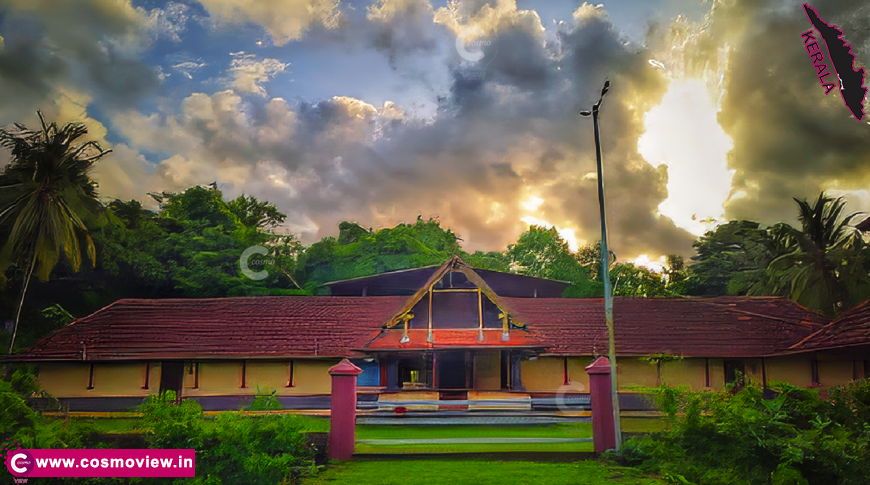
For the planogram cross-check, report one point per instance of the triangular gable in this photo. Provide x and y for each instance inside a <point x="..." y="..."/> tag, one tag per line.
<point x="453" y="264"/>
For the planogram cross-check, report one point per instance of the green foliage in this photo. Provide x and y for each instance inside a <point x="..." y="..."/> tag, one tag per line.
<point x="819" y="263"/>
<point x="232" y="448"/>
<point x="170" y="424"/>
<point x="262" y="450"/>
<point x="738" y="437"/>
<point x="358" y="252"/>
<point x="255" y="214"/>
<point x="541" y="252"/>
<point x="265" y="400"/>
<point x="730" y="259"/>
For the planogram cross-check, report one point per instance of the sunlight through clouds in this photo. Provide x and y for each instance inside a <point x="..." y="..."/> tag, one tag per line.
<point x="683" y="134"/>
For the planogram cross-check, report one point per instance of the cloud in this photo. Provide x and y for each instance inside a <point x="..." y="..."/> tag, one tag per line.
<point x="494" y="143"/>
<point x="168" y="22"/>
<point x="188" y="68"/>
<point x="790" y="140"/>
<point x="88" y="46"/>
<point x="284" y="20"/>
<point x="249" y="73"/>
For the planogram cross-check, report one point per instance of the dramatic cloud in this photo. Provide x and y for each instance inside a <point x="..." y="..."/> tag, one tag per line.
<point x="284" y="20"/>
<point x="496" y="143"/>
<point x="790" y="140"/>
<point x="87" y="45"/>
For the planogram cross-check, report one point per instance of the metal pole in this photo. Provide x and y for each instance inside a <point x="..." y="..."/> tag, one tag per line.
<point x="605" y="274"/>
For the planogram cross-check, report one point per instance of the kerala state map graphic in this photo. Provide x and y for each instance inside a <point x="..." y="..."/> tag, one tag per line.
<point x="851" y="80"/>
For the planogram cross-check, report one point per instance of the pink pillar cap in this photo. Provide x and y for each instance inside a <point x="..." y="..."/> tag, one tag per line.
<point x="345" y="368"/>
<point x="601" y="365"/>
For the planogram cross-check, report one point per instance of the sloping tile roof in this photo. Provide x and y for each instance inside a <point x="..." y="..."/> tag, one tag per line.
<point x="851" y="328"/>
<point x="318" y="326"/>
<point x="270" y="326"/>
<point x="700" y="327"/>
<point x="444" y="339"/>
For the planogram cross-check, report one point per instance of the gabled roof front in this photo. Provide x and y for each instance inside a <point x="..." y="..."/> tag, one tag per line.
<point x="214" y="328"/>
<point x="850" y="329"/>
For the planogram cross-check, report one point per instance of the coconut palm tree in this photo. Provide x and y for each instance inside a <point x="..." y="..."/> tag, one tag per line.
<point x="45" y="193"/>
<point x="813" y="265"/>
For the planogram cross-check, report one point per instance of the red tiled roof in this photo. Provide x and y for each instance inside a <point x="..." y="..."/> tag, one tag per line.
<point x="316" y="326"/>
<point x="269" y="326"/>
<point x="701" y="327"/>
<point x="443" y="339"/>
<point x="851" y="328"/>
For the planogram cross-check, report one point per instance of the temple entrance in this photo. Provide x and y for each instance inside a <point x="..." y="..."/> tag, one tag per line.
<point x="452" y="370"/>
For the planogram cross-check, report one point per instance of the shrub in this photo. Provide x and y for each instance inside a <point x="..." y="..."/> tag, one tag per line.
<point x="170" y="424"/>
<point x="254" y="450"/>
<point x="737" y="437"/>
<point x="233" y="448"/>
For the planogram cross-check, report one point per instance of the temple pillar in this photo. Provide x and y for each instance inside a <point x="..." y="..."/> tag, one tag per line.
<point x="392" y="374"/>
<point x="516" y="374"/>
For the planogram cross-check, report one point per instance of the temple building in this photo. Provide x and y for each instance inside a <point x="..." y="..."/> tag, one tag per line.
<point x="437" y="333"/>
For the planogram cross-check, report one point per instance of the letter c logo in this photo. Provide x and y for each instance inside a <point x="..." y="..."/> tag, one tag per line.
<point x="460" y="43"/>
<point x="21" y="463"/>
<point x="243" y="263"/>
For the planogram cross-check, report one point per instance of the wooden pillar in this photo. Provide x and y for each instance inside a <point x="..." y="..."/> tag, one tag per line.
<point x="392" y="374"/>
<point x="600" y="386"/>
<point x="516" y="374"/>
<point x="342" y="415"/>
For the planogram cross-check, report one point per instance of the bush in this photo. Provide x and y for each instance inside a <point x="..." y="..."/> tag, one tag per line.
<point x="737" y="437"/>
<point x="233" y="448"/>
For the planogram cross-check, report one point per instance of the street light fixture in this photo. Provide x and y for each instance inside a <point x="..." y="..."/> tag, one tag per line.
<point x="605" y="269"/>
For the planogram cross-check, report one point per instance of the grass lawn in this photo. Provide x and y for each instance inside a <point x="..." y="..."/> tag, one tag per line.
<point x="413" y="472"/>
<point x="565" y="430"/>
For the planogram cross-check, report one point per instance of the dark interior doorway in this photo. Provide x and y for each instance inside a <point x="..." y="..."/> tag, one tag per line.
<point x="171" y="377"/>
<point x="734" y="372"/>
<point x="451" y="370"/>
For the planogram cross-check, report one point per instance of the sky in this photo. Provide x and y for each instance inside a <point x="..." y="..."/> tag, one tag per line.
<point x="468" y="111"/>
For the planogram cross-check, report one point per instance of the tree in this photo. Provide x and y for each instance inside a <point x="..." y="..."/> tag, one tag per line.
<point x="255" y="214"/>
<point x="819" y="260"/>
<point x="632" y="280"/>
<point x="731" y="258"/>
<point x="46" y="195"/>
<point x="541" y="252"/>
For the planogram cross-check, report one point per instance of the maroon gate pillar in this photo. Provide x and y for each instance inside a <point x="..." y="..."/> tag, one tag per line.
<point x="603" y="431"/>
<point x="342" y="416"/>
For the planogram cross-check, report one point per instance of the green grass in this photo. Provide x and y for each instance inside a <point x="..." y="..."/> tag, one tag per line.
<point x="413" y="472"/>
<point x="642" y="425"/>
<point x="470" y="448"/>
<point x="566" y="430"/>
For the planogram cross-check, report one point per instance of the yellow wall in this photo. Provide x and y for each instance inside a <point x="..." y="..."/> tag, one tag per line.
<point x="578" y="379"/>
<point x="689" y="372"/>
<point x="311" y="377"/>
<point x="487" y="370"/>
<point x="543" y="374"/>
<point x="224" y="378"/>
<point x="835" y="372"/>
<point x="114" y="379"/>
<point x="631" y="372"/>
<point x="268" y="376"/>
<point x="795" y="370"/>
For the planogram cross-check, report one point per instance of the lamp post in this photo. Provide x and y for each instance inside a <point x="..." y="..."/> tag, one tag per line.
<point x="605" y="268"/>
